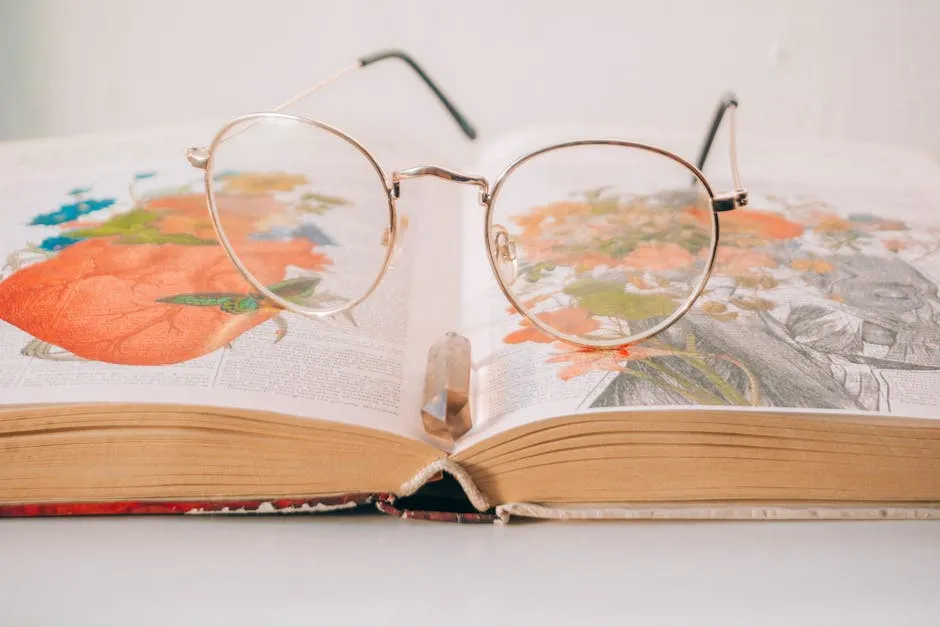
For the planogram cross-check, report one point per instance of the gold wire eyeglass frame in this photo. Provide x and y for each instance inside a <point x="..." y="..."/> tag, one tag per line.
<point x="498" y="246"/>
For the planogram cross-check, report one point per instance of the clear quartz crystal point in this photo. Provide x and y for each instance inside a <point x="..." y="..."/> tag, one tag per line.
<point x="446" y="409"/>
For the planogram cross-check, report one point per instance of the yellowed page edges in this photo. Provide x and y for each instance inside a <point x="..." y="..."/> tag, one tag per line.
<point x="723" y="511"/>
<point x="446" y="465"/>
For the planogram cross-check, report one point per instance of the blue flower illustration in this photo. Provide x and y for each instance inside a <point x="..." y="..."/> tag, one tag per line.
<point x="69" y="212"/>
<point x="54" y="244"/>
<point x="307" y="231"/>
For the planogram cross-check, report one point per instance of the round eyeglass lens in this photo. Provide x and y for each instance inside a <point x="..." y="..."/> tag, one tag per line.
<point x="602" y="244"/>
<point x="302" y="210"/>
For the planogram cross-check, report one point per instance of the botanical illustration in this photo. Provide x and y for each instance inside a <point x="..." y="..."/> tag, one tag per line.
<point x="146" y="281"/>
<point x="808" y="306"/>
<point x="603" y="265"/>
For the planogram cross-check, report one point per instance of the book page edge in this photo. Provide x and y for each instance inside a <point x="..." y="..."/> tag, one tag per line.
<point x="721" y="511"/>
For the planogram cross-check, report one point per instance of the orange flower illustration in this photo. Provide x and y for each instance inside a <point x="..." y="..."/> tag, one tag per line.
<point x="831" y="223"/>
<point x="817" y="266"/>
<point x="890" y="225"/>
<point x="568" y="320"/>
<point x="240" y="215"/>
<point x="256" y="183"/>
<point x="894" y="245"/>
<point x="741" y="262"/>
<point x="533" y="221"/>
<point x="98" y="299"/>
<point x="764" y="224"/>
<point x="658" y="257"/>
<point x="530" y="303"/>
<point x="583" y="361"/>
<point x="587" y="260"/>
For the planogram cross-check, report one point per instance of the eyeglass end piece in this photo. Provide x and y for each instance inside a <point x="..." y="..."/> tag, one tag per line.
<point x="729" y="201"/>
<point x="198" y="157"/>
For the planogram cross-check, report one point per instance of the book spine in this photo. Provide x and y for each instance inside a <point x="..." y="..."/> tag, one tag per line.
<point x="388" y="506"/>
<point x="232" y="507"/>
<point x="384" y="503"/>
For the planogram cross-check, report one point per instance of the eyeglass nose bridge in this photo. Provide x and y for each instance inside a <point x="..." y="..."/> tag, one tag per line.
<point x="441" y="173"/>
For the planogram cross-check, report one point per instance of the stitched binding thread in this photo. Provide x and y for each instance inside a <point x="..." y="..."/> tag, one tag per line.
<point x="477" y="499"/>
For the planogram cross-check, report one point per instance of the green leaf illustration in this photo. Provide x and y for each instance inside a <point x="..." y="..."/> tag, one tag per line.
<point x="619" y="247"/>
<point x="300" y="287"/>
<point x="227" y="302"/>
<point x="245" y="304"/>
<point x="207" y="299"/>
<point x="155" y="237"/>
<point x="134" y="220"/>
<point x="332" y="201"/>
<point x="753" y="304"/>
<point x="536" y="271"/>
<point x="231" y="303"/>
<point x="616" y="303"/>
<point x="318" y="209"/>
<point x="584" y="287"/>
<point x="693" y="240"/>
<point x="605" y="206"/>
<point x="137" y="226"/>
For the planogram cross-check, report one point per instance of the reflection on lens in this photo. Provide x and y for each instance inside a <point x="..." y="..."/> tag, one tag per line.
<point x="303" y="210"/>
<point x="605" y="242"/>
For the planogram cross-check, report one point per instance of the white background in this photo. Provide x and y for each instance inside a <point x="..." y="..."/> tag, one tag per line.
<point x="850" y="69"/>
<point x="844" y="70"/>
<point x="381" y="571"/>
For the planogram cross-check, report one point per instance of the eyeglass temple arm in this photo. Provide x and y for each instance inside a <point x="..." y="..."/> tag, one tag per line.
<point x="727" y="106"/>
<point x="381" y="55"/>
<point x="455" y="113"/>
<point x="199" y="157"/>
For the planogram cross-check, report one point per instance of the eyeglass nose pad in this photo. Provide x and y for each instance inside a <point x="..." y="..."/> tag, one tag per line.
<point x="400" y="235"/>
<point x="399" y="239"/>
<point x="504" y="251"/>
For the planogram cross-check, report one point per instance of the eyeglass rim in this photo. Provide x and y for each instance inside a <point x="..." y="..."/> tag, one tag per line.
<point x="229" y="249"/>
<point x="577" y="340"/>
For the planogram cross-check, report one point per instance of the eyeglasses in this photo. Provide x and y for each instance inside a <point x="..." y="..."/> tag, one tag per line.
<point x="599" y="243"/>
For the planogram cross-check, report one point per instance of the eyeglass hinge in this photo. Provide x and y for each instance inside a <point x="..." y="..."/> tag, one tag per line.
<point x="729" y="201"/>
<point x="198" y="157"/>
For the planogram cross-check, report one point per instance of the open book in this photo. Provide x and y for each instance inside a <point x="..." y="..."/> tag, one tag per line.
<point x="804" y="383"/>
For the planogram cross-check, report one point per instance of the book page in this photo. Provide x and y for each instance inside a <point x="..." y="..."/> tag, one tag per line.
<point x="823" y="295"/>
<point x="114" y="288"/>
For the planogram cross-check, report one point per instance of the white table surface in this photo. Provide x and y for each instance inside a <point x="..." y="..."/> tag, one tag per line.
<point x="373" y="570"/>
